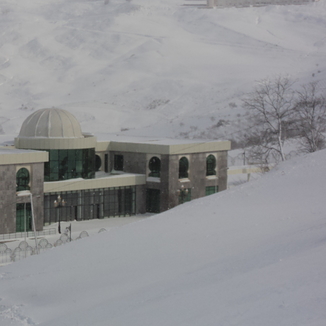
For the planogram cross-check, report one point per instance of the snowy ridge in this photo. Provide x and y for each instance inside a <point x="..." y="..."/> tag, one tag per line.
<point x="250" y="256"/>
<point x="150" y="67"/>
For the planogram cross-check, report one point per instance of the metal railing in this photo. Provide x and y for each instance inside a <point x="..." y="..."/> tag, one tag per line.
<point x="29" y="234"/>
<point x="24" y="250"/>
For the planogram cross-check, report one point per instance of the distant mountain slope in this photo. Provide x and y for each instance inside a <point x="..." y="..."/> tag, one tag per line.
<point x="251" y="256"/>
<point x="150" y="67"/>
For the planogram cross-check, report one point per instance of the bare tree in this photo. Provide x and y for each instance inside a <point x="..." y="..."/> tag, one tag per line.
<point x="270" y="112"/>
<point x="310" y="113"/>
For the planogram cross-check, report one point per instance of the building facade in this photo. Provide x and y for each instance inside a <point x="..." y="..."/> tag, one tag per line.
<point x="96" y="179"/>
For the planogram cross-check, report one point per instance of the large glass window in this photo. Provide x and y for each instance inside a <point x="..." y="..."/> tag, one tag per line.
<point x="22" y="179"/>
<point x="155" y="167"/>
<point x="183" y="167"/>
<point x="90" y="204"/>
<point x="210" y="165"/>
<point x="69" y="164"/>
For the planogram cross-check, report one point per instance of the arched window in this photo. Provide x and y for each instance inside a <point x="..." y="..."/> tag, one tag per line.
<point x="22" y="179"/>
<point x="210" y="165"/>
<point x="155" y="167"/>
<point x="183" y="167"/>
<point x="98" y="163"/>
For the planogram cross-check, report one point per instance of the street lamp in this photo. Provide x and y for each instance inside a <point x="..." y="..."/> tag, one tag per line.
<point x="182" y="193"/>
<point x="59" y="202"/>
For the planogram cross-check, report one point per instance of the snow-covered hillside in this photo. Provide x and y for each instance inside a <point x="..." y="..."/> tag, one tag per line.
<point x="251" y="256"/>
<point x="150" y="67"/>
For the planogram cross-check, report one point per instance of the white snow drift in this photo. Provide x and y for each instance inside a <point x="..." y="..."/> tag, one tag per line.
<point x="251" y="256"/>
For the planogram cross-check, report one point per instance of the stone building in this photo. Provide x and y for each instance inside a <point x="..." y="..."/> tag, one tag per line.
<point x="117" y="177"/>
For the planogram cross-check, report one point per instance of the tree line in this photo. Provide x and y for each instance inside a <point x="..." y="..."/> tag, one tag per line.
<point x="276" y="111"/>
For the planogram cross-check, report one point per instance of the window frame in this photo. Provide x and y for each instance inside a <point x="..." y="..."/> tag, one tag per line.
<point x="22" y="179"/>
<point x="183" y="167"/>
<point x="154" y="166"/>
<point x="211" y="164"/>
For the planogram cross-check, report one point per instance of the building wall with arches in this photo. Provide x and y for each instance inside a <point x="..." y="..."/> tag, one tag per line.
<point x="166" y="185"/>
<point x="155" y="174"/>
<point x="7" y="197"/>
<point x="117" y="177"/>
<point x="197" y="180"/>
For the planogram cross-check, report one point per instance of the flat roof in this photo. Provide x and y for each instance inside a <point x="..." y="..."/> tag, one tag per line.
<point x="11" y="155"/>
<point x="153" y="145"/>
<point x="110" y="181"/>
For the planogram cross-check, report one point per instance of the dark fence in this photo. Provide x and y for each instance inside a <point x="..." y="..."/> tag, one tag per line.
<point x="24" y="250"/>
<point x="28" y="234"/>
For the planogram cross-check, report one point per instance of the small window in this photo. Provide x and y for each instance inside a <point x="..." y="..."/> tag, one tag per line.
<point x="211" y="190"/>
<point x="183" y="168"/>
<point x="98" y="163"/>
<point x="155" y="167"/>
<point x="210" y="165"/>
<point x="23" y="217"/>
<point x="22" y="179"/>
<point x="106" y="163"/>
<point x="118" y="162"/>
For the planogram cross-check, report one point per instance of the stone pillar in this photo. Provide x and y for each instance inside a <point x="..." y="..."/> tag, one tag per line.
<point x="37" y="182"/>
<point x="222" y="170"/>
<point x="141" y="199"/>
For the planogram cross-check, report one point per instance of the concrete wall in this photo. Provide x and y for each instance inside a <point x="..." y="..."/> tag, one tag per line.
<point x="141" y="199"/>
<point x="7" y="199"/>
<point x="132" y="162"/>
<point x="197" y="181"/>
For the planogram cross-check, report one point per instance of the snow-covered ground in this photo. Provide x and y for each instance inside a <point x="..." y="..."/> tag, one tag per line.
<point x="253" y="255"/>
<point x="92" y="227"/>
<point x="150" y="67"/>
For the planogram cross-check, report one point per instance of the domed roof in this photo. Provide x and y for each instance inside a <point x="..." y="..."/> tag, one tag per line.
<point x="51" y="123"/>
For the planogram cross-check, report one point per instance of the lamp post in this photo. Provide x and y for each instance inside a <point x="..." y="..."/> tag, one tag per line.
<point x="182" y="193"/>
<point x="59" y="202"/>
